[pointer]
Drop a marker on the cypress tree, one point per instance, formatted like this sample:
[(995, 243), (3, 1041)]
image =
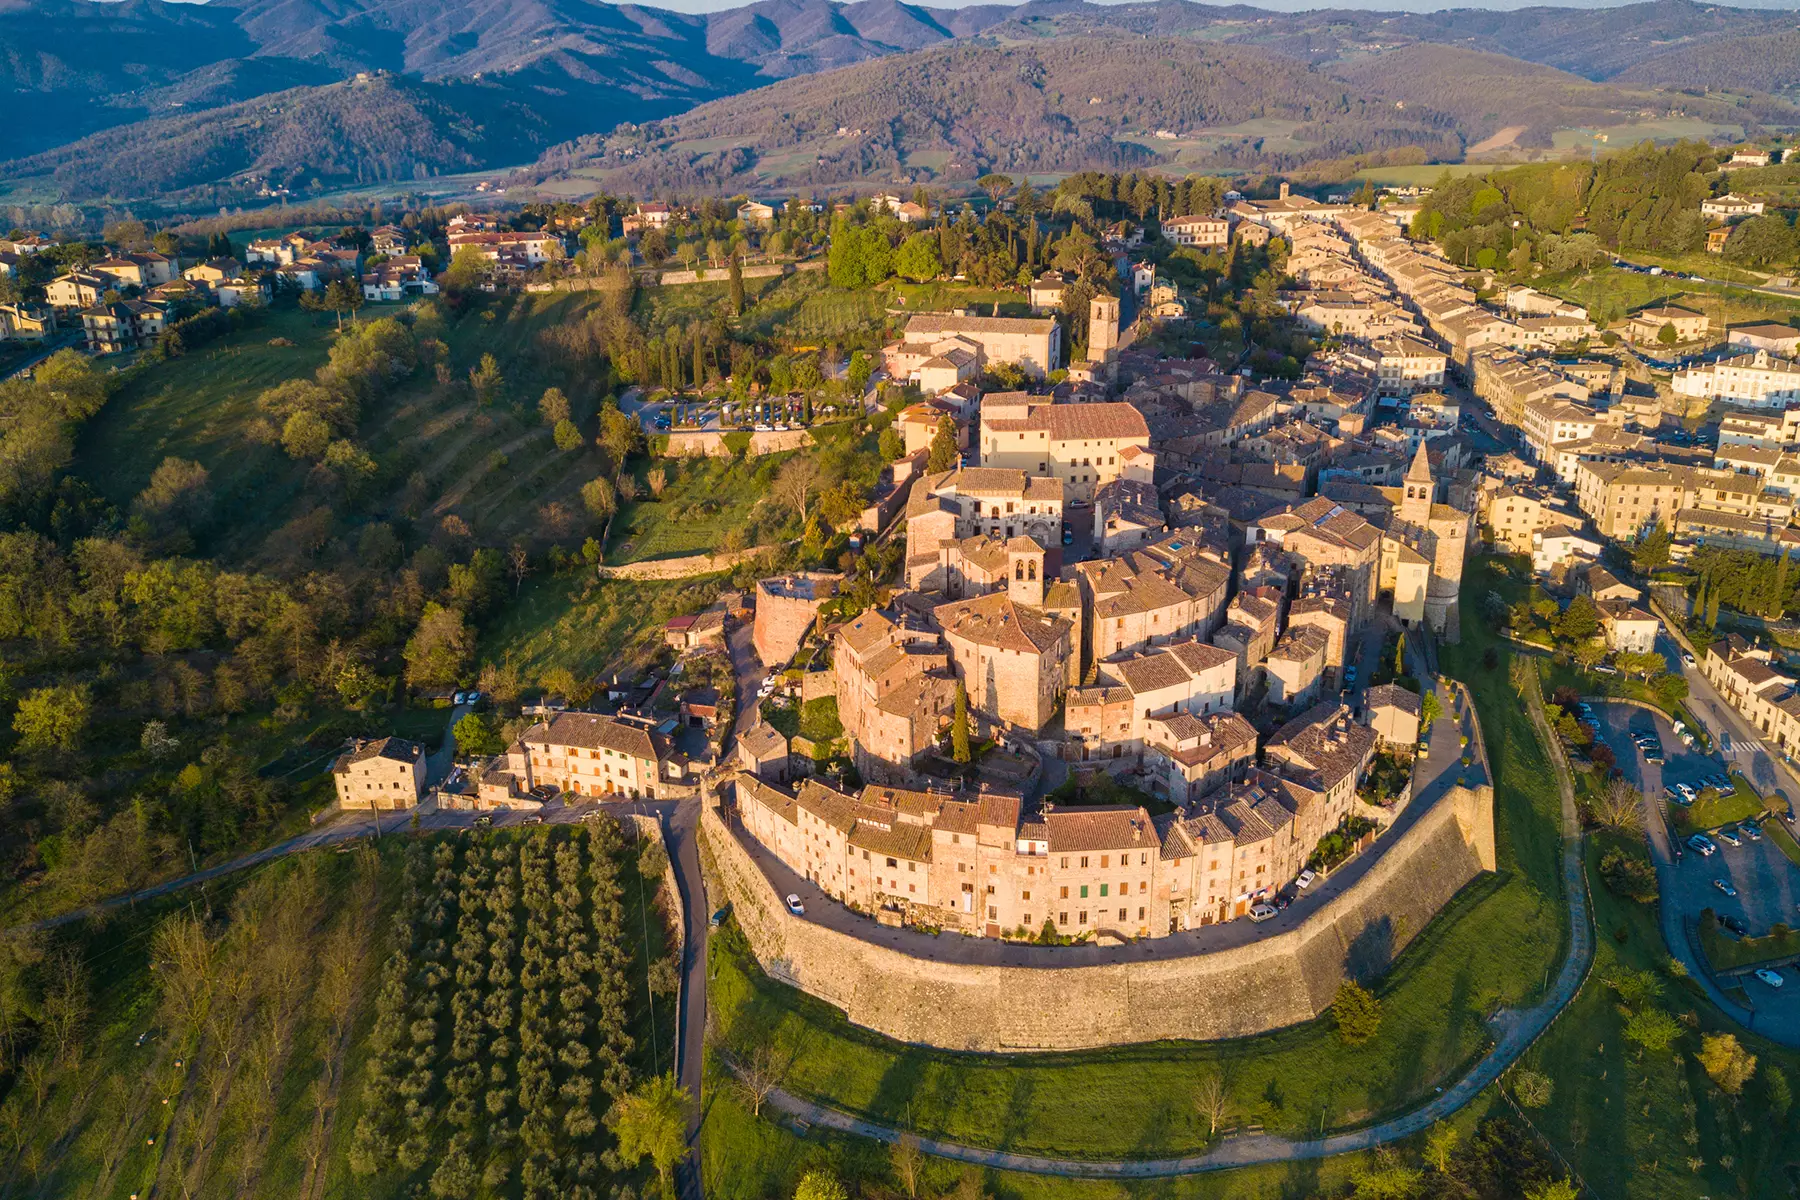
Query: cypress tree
[(959, 725), (737, 285)]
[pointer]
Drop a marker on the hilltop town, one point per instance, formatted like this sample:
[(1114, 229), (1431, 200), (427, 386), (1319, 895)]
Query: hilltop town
[(1141, 610)]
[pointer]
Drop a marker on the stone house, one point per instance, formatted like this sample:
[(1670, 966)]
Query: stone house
[(381, 774), (1394, 713), (586, 754), (1080, 444), (1627, 628)]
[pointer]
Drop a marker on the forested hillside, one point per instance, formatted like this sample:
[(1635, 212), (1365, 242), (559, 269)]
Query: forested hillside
[(1486, 93), (569, 71), (1061, 105), (364, 131)]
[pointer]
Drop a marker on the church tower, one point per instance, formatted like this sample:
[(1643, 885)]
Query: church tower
[(1103, 328), (1415, 507)]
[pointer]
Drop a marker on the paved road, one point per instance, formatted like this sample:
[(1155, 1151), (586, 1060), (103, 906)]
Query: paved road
[(1768, 885), (1514, 1032)]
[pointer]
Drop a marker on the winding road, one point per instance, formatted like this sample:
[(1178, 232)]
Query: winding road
[(1514, 1033)]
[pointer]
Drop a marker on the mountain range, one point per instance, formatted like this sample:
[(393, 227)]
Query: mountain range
[(241, 92)]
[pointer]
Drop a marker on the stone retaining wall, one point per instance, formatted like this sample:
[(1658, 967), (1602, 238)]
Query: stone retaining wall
[(678, 568), (696, 445), (1276, 981)]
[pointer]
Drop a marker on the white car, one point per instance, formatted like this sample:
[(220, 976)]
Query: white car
[(1772, 978), (1305, 879), (1262, 912), (794, 905)]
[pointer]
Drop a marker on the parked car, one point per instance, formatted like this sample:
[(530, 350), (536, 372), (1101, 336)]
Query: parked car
[(1606, 668), (484, 822), (794, 906), (1262, 912), (1751, 830), (1687, 790), (534, 819), (1305, 879), (1769, 976), (718, 918), (1728, 835), (1703, 844), (1687, 659), (1350, 673), (1675, 797), (1735, 924), (459, 698), (1724, 885), (1654, 758)]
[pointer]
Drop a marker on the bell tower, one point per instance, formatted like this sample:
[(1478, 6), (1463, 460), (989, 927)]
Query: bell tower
[(1415, 503)]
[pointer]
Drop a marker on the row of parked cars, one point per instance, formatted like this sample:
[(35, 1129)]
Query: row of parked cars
[(1684, 794)]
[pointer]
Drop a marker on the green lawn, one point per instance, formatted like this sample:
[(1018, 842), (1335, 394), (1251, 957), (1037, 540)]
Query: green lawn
[(1712, 810), (702, 500), (437, 452), (1777, 831), (591, 627), (1725, 952)]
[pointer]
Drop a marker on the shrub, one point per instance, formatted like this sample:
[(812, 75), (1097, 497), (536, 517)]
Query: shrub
[(1356, 1012)]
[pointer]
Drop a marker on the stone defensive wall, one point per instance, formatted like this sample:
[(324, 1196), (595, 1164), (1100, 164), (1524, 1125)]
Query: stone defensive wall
[(1272, 982)]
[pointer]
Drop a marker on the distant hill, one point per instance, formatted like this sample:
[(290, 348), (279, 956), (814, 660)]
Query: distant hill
[(1487, 93), (377, 129), (1061, 104), (1766, 63), (70, 69)]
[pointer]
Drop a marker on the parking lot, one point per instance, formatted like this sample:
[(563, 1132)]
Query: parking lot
[(1766, 883)]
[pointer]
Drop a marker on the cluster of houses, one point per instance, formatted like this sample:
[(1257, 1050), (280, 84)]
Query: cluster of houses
[(127, 300), (1234, 545)]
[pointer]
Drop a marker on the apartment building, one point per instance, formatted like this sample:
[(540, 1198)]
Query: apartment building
[(1033, 344), (1766, 697), (1758, 380), (1113, 715), (1645, 327), (1211, 233), (1084, 445), (589, 754)]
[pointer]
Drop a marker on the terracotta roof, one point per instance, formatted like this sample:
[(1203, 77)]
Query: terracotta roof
[(391, 748), (1111, 827), (592, 731), (1390, 695), (995, 620)]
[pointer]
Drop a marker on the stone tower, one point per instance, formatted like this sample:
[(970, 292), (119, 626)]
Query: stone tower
[(1103, 328), (1415, 505), (1025, 572)]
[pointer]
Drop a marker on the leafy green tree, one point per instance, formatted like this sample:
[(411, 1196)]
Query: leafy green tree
[(52, 718), (1556, 1189), (918, 259), (476, 737), (485, 380), (554, 407), (599, 498), (1653, 551), (1670, 689), (306, 435), (1356, 1012), (1727, 1063), (1532, 1089), (862, 366), (567, 436), (1667, 335), (890, 445), (651, 1122), (820, 1185), (343, 296), (1578, 621), (945, 454), (438, 652), (1430, 709), (995, 185), (959, 725), (1653, 1029)]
